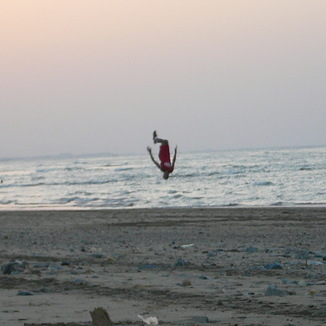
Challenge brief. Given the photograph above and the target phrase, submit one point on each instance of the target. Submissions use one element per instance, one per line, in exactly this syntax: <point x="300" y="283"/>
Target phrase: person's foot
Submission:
<point x="154" y="136"/>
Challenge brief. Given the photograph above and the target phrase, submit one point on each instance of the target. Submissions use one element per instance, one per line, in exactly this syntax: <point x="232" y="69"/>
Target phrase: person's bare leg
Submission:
<point x="159" y="140"/>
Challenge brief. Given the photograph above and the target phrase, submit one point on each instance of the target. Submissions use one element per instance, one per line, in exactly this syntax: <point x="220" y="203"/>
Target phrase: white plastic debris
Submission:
<point x="149" y="320"/>
<point x="187" y="246"/>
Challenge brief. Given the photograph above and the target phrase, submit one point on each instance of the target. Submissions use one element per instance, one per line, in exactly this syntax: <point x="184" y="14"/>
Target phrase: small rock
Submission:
<point x="313" y="262"/>
<point x="251" y="249"/>
<point x="14" y="267"/>
<point x="321" y="283"/>
<point x="79" y="281"/>
<point x="276" y="265"/>
<point x="181" y="262"/>
<point x="272" y="290"/>
<point x="186" y="283"/>
<point x="41" y="265"/>
<point x="286" y="281"/>
<point x="211" y="254"/>
<point x="110" y="260"/>
<point x="200" y="320"/>
<point x="24" y="293"/>
<point x="98" y="256"/>
<point x="100" y="317"/>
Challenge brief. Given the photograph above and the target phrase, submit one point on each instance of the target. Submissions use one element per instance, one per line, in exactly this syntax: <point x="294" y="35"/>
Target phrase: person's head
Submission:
<point x="166" y="175"/>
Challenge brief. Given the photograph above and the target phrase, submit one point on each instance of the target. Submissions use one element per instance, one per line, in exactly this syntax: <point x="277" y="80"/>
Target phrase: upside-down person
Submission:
<point x="164" y="155"/>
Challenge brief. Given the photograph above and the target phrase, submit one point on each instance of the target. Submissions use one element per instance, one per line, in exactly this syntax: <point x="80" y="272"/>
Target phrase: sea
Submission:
<point x="248" y="178"/>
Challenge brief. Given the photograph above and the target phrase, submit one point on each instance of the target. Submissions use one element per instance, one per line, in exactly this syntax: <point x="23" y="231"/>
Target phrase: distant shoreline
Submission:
<point x="317" y="207"/>
<point x="105" y="154"/>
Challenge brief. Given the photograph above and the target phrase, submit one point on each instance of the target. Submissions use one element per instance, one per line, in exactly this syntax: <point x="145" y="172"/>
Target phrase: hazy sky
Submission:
<point x="84" y="76"/>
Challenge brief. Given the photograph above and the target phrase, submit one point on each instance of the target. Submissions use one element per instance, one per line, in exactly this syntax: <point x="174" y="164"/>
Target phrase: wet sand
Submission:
<point x="228" y="266"/>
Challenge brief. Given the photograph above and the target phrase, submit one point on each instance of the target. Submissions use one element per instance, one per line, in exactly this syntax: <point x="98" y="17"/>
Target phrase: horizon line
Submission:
<point x="104" y="154"/>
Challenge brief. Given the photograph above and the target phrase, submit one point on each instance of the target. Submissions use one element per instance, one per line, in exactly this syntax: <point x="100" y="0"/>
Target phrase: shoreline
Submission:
<point x="186" y="266"/>
<point x="47" y="208"/>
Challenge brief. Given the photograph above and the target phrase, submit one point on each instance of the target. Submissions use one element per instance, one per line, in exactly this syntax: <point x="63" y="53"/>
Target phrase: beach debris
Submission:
<point x="14" y="267"/>
<point x="187" y="246"/>
<point x="95" y="249"/>
<point x="149" y="320"/>
<point x="100" y="317"/>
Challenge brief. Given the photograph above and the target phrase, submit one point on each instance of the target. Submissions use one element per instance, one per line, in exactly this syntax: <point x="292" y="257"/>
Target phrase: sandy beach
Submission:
<point x="227" y="266"/>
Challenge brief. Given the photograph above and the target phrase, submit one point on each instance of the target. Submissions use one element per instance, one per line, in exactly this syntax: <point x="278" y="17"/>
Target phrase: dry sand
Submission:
<point x="239" y="266"/>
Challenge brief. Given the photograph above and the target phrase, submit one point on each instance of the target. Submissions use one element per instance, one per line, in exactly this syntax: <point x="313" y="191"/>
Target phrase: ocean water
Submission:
<point x="264" y="177"/>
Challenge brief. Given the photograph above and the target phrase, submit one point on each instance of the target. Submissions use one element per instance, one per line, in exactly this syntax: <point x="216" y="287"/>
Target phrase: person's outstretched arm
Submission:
<point x="175" y="156"/>
<point x="151" y="155"/>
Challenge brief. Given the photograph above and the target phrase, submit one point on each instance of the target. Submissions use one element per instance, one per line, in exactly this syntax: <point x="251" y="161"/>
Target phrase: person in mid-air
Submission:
<point x="164" y="155"/>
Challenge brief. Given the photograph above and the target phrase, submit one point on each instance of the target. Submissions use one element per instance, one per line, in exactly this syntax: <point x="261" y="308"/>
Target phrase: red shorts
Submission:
<point x="164" y="156"/>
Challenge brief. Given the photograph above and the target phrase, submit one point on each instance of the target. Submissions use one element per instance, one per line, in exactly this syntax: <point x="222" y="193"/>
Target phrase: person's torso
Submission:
<point x="164" y="156"/>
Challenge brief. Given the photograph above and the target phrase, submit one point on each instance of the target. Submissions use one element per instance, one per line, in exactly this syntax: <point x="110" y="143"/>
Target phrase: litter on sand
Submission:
<point x="149" y="320"/>
<point x="187" y="246"/>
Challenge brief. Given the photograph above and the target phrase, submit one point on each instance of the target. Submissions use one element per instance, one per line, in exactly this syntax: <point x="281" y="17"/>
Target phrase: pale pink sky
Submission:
<point x="98" y="76"/>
